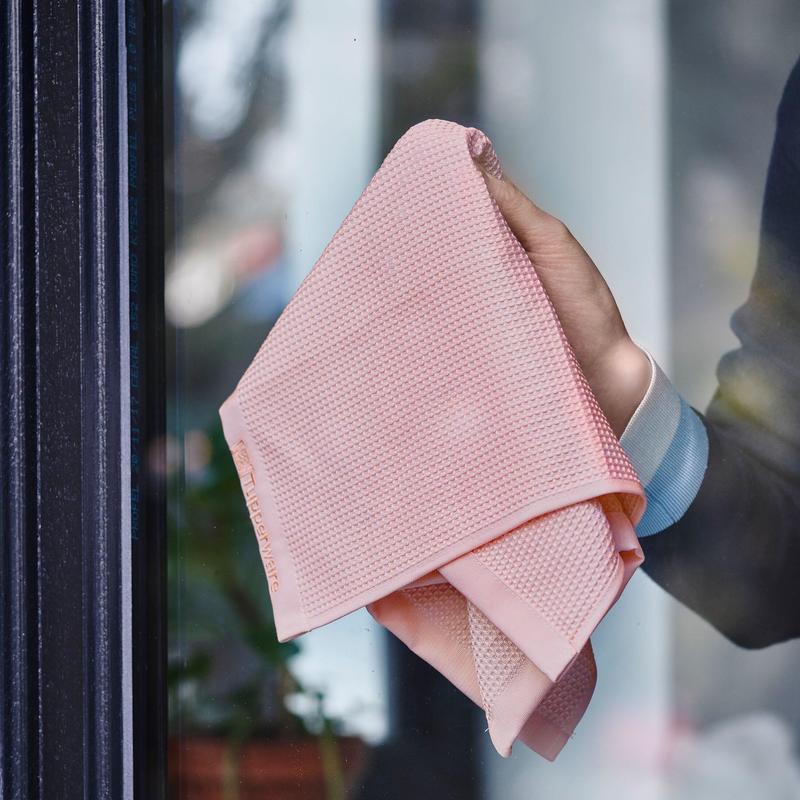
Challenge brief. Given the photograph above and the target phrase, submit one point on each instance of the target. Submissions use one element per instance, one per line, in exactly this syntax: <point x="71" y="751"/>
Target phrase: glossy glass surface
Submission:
<point x="646" y="126"/>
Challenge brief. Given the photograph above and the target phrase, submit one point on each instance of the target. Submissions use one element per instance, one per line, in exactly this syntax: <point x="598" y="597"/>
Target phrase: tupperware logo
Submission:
<point x="247" y="477"/>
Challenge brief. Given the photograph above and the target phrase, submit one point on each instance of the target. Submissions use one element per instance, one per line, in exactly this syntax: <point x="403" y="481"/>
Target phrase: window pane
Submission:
<point x="646" y="127"/>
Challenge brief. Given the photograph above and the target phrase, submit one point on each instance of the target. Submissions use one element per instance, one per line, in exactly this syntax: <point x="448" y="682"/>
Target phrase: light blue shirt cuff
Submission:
<point x="667" y="444"/>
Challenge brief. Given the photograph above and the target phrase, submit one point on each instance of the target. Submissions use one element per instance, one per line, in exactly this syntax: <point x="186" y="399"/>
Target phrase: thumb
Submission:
<point x="569" y="276"/>
<point x="617" y="370"/>
<point x="536" y="230"/>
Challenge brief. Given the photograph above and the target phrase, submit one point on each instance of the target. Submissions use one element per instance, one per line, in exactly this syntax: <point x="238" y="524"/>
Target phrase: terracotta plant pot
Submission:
<point x="210" y="769"/>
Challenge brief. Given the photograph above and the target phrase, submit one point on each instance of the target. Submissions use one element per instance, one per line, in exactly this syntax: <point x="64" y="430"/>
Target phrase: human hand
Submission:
<point x="617" y="370"/>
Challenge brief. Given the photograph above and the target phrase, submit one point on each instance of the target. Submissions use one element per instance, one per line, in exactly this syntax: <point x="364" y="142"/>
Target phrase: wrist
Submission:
<point x="624" y="379"/>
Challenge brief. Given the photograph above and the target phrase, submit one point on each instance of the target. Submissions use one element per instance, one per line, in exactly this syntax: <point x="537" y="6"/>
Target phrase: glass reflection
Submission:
<point x="646" y="126"/>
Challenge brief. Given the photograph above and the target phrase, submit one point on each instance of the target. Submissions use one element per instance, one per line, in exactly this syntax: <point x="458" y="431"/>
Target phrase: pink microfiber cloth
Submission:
<point x="415" y="436"/>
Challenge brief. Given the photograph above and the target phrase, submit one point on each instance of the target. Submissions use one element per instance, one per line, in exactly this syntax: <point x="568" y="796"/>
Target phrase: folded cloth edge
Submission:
<point x="449" y="656"/>
<point x="290" y="618"/>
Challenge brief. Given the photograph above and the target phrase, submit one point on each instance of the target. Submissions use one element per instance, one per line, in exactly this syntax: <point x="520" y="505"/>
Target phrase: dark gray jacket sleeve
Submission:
<point x="734" y="556"/>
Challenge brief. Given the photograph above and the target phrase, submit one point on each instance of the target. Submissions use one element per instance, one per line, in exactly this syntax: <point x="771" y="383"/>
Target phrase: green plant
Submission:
<point x="228" y="675"/>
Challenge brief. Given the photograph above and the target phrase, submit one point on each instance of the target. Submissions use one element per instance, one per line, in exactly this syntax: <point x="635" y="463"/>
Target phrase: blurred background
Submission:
<point x="646" y="126"/>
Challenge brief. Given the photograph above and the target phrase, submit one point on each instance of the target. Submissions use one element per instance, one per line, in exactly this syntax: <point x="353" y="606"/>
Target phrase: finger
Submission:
<point x="533" y="227"/>
<point x="569" y="276"/>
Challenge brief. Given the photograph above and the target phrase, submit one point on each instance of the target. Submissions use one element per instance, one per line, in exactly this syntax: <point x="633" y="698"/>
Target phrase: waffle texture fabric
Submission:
<point x="415" y="436"/>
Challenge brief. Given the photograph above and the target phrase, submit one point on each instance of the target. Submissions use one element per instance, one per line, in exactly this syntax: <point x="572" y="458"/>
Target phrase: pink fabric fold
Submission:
<point x="415" y="436"/>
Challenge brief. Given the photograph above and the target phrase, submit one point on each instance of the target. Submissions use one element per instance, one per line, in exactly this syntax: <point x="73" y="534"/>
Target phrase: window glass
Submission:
<point x="646" y="126"/>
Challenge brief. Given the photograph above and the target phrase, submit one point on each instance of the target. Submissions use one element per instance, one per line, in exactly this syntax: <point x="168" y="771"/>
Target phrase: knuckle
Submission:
<point x="511" y="197"/>
<point x="558" y="230"/>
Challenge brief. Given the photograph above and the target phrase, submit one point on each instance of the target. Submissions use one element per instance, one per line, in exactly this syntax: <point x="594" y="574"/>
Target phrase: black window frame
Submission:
<point x="82" y="400"/>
